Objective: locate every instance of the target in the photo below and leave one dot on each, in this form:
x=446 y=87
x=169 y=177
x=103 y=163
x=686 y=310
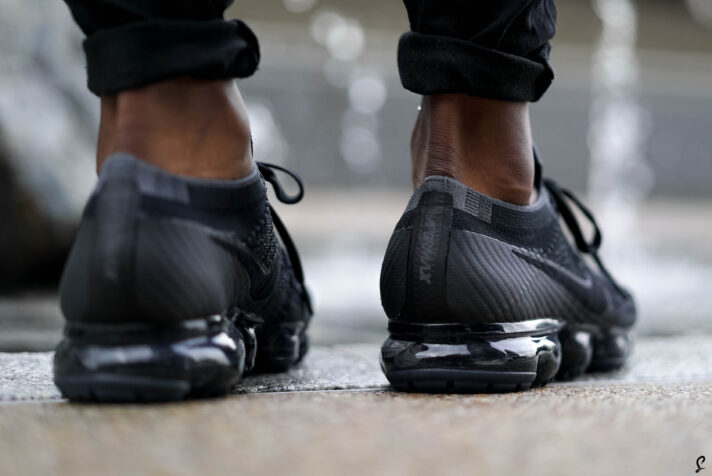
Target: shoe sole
x=201 y=358
x=496 y=358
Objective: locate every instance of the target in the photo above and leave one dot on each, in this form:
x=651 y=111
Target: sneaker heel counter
x=393 y=273
x=96 y=284
x=416 y=267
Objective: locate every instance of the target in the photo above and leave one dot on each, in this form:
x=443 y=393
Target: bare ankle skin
x=485 y=144
x=186 y=126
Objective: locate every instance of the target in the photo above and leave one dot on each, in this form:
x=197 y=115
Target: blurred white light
x=269 y=143
x=343 y=37
x=322 y=22
x=360 y=150
x=345 y=40
x=338 y=73
x=355 y=119
x=299 y=6
x=367 y=93
x=619 y=178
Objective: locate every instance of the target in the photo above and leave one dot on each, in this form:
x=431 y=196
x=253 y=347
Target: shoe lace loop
x=562 y=197
x=269 y=173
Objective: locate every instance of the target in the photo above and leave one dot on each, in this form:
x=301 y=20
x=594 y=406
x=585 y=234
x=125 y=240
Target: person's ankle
x=483 y=143
x=185 y=126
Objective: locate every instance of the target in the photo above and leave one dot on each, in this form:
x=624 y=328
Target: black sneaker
x=175 y=287
x=483 y=295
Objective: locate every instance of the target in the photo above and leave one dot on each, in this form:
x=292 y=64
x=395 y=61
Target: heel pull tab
x=427 y=260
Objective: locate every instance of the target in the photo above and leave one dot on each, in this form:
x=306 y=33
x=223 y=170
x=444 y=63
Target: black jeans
x=497 y=49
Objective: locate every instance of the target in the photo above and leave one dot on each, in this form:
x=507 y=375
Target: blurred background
x=627 y=124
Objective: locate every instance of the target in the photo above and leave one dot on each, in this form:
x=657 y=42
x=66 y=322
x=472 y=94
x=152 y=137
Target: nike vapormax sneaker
x=176 y=286
x=484 y=296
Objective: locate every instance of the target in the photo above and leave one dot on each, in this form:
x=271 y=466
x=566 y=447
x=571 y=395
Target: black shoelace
x=562 y=197
x=269 y=173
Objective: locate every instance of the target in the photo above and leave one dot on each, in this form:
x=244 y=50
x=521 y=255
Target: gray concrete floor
x=606 y=429
x=334 y=414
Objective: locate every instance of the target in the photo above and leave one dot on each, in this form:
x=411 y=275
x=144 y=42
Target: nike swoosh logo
x=260 y=287
x=585 y=290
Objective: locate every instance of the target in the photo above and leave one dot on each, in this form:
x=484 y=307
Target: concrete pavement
x=602 y=429
x=334 y=414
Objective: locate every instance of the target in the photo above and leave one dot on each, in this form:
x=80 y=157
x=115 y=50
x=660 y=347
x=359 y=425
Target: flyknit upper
x=500 y=263
x=157 y=246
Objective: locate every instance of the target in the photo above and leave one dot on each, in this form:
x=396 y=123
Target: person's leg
x=176 y=283
x=164 y=73
x=484 y=143
x=477 y=64
x=187 y=126
x=482 y=288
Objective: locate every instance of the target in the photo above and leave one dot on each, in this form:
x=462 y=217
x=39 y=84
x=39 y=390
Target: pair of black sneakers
x=176 y=287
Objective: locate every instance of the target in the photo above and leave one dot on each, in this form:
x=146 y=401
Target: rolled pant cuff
x=139 y=54
x=431 y=64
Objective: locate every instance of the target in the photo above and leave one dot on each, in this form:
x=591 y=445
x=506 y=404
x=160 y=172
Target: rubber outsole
x=460 y=381
x=111 y=388
x=496 y=358
x=202 y=358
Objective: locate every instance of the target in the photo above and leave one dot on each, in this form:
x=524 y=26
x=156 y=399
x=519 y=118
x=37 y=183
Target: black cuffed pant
x=497 y=49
